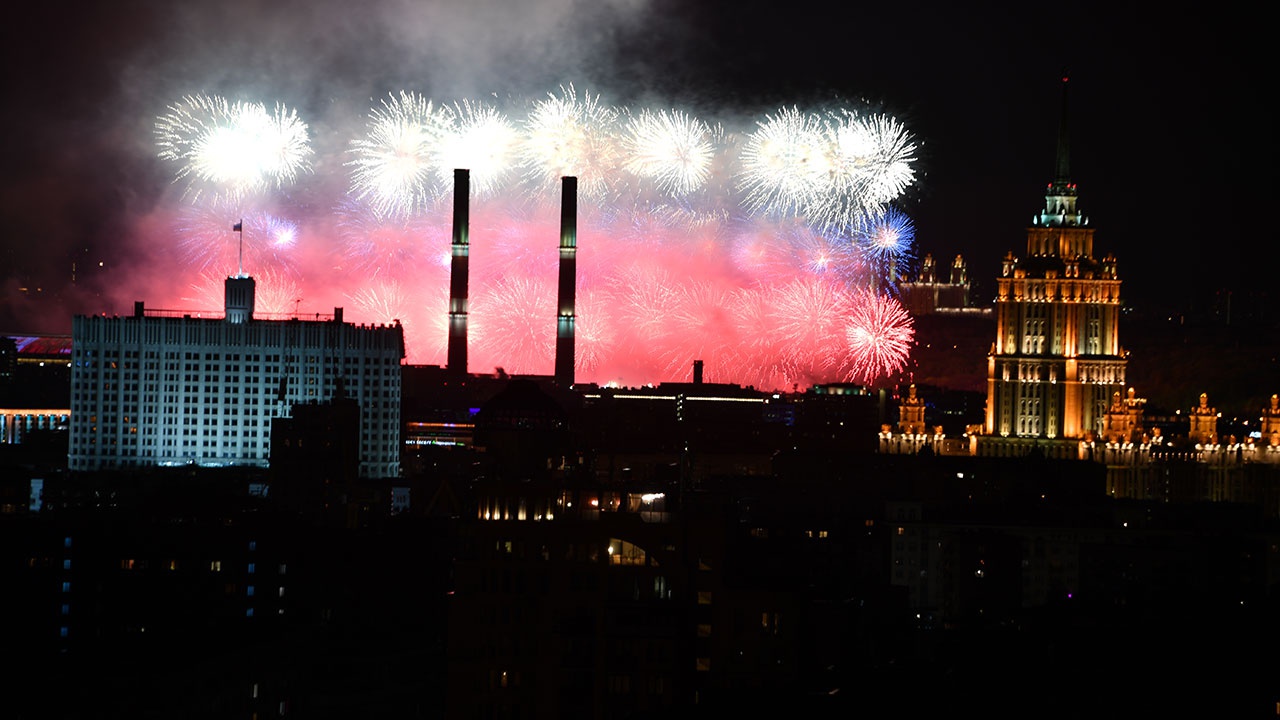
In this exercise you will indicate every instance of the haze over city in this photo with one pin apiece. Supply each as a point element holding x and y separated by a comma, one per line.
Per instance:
<point>1166,142</point>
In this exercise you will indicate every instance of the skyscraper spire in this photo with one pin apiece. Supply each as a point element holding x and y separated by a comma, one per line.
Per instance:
<point>1060,208</point>
<point>1063,175</point>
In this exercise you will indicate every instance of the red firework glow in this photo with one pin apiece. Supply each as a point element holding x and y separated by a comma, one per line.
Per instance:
<point>648,303</point>
<point>880,334</point>
<point>667,273</point>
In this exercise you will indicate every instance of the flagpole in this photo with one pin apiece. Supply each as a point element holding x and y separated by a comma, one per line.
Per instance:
<point>239,227</point>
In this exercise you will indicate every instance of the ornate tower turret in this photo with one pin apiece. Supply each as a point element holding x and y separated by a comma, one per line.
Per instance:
<point>911,413</point>
<point>1203,426</point>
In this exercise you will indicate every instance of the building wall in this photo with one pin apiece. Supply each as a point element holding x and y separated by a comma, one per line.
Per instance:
<point>154,390</point>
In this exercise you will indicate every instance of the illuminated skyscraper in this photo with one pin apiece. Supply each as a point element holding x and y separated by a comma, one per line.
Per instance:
<point>1056,361</point>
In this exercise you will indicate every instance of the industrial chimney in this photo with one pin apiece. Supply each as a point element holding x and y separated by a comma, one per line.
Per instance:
<point>457,361</point>
<point>568,281</point>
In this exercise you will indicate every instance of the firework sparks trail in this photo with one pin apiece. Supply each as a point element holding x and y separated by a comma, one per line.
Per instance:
<point>702,326</point>
<point>230,149</point>
<point>881,334</point>
<point>888,236</point>
<point>396,165</point>
<point>746,250</point>
<point>784,163</point>
<point>275,296</point>
<point>759,348</point>
<point>513,322</point>
<point>402,246</point>
<point>808,317</point>
<point>594,333</point>
<point>644,298</point>
<point>869,166</point>
<point>515,244</point>
<point>671,149</point>
<point>384,301</point>
<point>568,135</point>
<point>207,242</point>
<point>883,151</point>
<point>483,141</point>
<point>887,241</point>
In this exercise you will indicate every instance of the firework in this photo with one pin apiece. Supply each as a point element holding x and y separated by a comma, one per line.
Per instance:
<point>594,332</point>
<point>701,326</point>
<point>382,302</point>
<point>372,243</point>
<point>778,252</point>
<point>888,235</point>
<point>886,240</point>
<point>643,298</point>
<point>760,347</point>
<point>808,316</point>
<point>568,135</point>
<point>207,242</point>
<point>881,153</point>
<point>275,295</point>
<point>784,164</point>
<point>482,141</point>
<point>232,149</point>
<point>516,242</point>
<point>833,169</point>
<point>671,149</point>
<point>396,165</point>
<point>880,334</point>
<point>514,324</point>
<point>770,255</point>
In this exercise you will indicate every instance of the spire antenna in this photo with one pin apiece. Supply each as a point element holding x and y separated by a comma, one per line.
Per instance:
<point>1063,174</point>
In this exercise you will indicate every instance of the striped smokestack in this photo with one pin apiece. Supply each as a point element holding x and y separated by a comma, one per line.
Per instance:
<point>458,275</point>
<point>568,281</point>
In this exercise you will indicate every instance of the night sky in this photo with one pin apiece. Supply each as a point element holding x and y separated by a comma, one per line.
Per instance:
<point>1169,134</point>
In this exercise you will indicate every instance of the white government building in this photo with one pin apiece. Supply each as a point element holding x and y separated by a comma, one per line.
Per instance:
<point>167,388</point>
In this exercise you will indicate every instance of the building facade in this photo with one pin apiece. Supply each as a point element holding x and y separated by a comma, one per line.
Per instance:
<point>166,388</point>
<point>1056,361</point>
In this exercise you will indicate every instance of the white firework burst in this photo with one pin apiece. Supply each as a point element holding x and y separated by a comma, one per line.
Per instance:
<point>568,135</point>
<point>396,165</point>
<point>483,141</point>
<point>870,166</point>
<point>669,148</point>
<point>785,165</point>
<point>232,149</point>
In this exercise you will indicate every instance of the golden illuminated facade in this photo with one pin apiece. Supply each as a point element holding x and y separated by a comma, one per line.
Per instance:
<point>1056,362</point>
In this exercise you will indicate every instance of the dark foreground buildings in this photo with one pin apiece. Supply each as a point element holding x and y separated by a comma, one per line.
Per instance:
<point>687,550</point>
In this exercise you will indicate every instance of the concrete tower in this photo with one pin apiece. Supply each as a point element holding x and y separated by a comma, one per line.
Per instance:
<point>568,281</point>
<point>457,360</point>
<point>1056,362</point>
<point>239,299</point>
